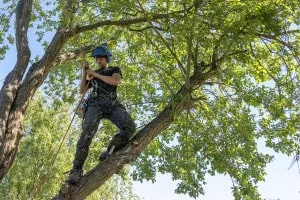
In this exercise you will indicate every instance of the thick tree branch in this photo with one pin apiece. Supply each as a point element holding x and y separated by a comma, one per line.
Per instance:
<point>126,22</point>
<point>275,38</point>
<point>145,28</point>
<point>13,79</point>
<point>39,70</point>
<point>23,14</point>
<point>104,170</point>
<point>71,55</point>
<point>15,96</point>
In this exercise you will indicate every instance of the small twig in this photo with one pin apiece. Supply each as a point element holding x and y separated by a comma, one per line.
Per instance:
<point>177,81</point>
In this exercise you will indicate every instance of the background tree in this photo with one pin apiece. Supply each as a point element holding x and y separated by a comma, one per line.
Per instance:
<point>211,78</point>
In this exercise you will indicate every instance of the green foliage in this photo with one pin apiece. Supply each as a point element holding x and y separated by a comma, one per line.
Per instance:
<point>254,96</point>
<point>6,38</point>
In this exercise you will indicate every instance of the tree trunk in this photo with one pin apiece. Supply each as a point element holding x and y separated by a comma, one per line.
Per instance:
<point>11,116</point>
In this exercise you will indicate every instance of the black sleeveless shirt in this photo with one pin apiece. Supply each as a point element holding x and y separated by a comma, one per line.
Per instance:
<point>100,86</point>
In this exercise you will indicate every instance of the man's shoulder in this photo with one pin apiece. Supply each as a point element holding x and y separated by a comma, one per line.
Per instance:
<point>109,69</point>
<point>114,68</point>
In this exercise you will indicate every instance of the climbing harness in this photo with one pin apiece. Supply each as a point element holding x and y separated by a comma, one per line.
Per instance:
<point>99,92</point>
<point>111,96</point>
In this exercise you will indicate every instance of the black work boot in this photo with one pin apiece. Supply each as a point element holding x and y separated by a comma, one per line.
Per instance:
<point>103,156</point>
<point>107,153</point>
<point>117,142</point>
<point>74,176</point>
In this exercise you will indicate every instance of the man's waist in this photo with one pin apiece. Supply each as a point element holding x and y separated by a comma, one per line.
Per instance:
<point>111,95</point>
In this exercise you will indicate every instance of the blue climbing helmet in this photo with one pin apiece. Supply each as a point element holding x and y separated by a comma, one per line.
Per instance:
<point>102,51</point>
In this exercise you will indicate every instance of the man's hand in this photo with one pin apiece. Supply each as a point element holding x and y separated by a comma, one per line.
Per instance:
<point>84,84</point>
<point>90,74</point>
<point>85,66</point>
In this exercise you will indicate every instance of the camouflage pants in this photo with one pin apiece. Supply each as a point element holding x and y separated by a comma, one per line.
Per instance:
<point>96,110</point>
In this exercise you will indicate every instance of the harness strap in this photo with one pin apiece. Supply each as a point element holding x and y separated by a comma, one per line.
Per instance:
<point>111,95</point>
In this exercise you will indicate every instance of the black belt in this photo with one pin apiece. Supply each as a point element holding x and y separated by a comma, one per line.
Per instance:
<point>112,96</point>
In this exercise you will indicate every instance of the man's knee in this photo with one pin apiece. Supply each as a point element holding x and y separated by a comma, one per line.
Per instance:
<point>131,128</point>
<point>89,126</point>
<point>87,134</point>
<point>84,142</point>
<point>81,146</point>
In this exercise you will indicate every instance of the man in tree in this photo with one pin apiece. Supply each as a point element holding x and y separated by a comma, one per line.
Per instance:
<point>102,103</point>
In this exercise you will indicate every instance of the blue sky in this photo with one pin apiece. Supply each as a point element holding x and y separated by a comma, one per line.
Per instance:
<point>280,182</point>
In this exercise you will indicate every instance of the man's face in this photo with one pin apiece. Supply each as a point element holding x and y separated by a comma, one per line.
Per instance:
<point>101,61</point>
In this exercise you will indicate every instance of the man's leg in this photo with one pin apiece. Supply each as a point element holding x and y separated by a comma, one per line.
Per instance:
<point>120,117</point>
<point>89,128</point>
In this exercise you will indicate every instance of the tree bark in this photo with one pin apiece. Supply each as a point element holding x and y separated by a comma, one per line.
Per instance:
<point>11,132</point>
<point>14,95</point>
<point>104,170</point>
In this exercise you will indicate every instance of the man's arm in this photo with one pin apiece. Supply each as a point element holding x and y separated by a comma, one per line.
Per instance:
<point>115,79</point>
<point>83,83</point>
